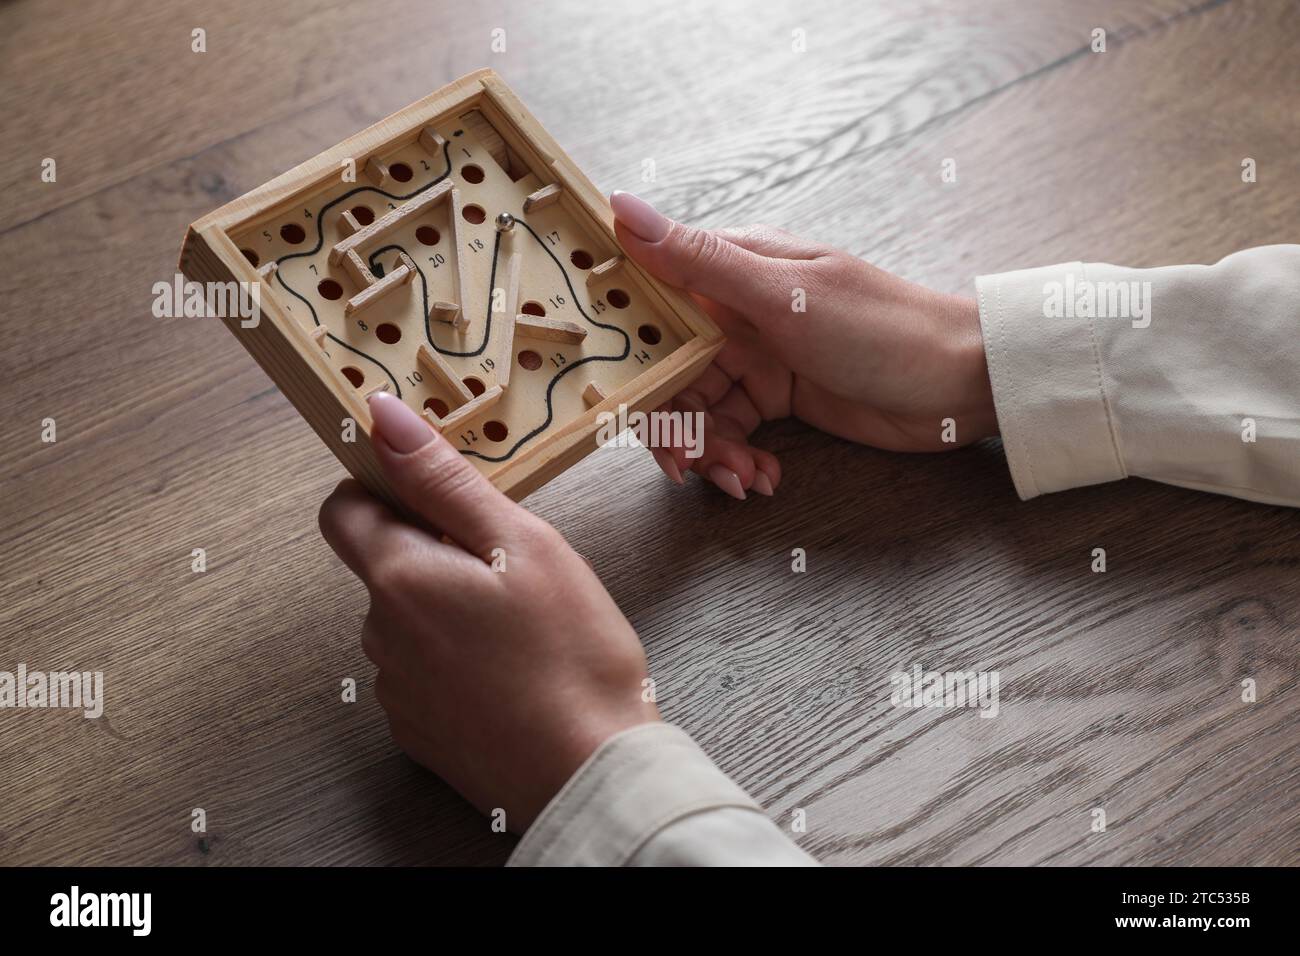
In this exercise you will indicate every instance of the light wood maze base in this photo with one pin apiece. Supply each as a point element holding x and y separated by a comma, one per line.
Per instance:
<point>452,255</point>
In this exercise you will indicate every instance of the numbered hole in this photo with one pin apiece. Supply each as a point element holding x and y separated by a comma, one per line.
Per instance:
<point>618,298</point>
<point>428,235</point>
<point>475,386</point>
<point>363,215</point>
<point>354,375</point>
<point>471,173</point>
<point>401,172</point>
<point>437,406</point>
<point>329,289</point>
<point>581,258</point>
<point>533,308</point>
<point>649,334</point>
<point>388,333</point>
<point>292,233</point>
<point>495,430</point>
<point>251,256</point>
<point>473,213</point>
<point>530,360</point>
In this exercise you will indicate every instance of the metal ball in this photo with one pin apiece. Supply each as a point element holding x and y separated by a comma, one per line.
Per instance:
<point>505,222</point>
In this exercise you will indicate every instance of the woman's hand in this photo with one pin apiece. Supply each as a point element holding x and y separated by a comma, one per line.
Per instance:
<point>871,358</point>
<point>500,681</point>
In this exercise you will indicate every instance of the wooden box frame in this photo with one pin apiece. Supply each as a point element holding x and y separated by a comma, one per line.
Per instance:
<point>285,350</point>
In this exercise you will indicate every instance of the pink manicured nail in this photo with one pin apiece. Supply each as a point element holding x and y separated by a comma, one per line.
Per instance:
<point>727,480</point>
<point>643,219</point>
<point>664,458</point>
<point>762,484</point>
<point>404,430</point>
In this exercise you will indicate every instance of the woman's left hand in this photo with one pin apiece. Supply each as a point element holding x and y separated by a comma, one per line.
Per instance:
<point>500,681</point>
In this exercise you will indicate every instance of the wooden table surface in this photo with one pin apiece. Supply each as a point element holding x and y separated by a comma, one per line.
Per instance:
<point>1119,690</point>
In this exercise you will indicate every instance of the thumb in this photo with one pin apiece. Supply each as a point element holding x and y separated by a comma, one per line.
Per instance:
<point>701,260</point>
<point>434,481</point>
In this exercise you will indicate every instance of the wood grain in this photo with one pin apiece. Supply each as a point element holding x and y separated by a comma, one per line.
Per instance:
<point>1119,690</point>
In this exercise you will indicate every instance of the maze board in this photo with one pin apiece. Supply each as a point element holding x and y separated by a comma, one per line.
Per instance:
<point>453,256</point>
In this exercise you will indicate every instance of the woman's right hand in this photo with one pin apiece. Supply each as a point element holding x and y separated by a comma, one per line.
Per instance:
<point>871,357</point>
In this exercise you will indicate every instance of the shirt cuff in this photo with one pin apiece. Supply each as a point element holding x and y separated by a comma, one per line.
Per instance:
<point>637,783</point>
<point>1056,423</point>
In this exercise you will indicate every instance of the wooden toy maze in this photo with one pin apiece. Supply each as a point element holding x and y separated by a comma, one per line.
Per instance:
<point>453,256</point>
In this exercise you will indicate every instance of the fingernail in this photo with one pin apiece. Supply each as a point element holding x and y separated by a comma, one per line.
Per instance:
<point>762,484</point>
<point>643,219</point>
<point>727,480</point>
<point>692,404</point>
<point>404,430</point>
<point>669,464</point>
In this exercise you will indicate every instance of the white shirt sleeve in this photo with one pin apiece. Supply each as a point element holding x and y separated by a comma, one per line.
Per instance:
<point>1188,375</point>
<point>650,797</point>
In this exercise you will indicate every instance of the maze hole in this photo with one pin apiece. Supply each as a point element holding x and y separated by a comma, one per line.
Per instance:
<point>251,256</point>
<point>495,430</point>
<point>292,233</point>
<point>475,386</point>
<point>581,258</point>
<point>471,173</point>
<point>533,308</point>
<point>437,406</point>
<point>363,214</point>
<point>473,213</point>
<point>649,334</point>
<point>388,333</point>
<point>401,172</point>
<point>353,375</point>
<point>329,289</point>
<point>618,298</point>
<point>428,235</point>
<point>530,360</point>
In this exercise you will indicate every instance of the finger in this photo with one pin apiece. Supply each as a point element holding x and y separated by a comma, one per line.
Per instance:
<point>664,457</point>
<point>730,460</point>
<point>385,551</point>
<point>699,260</point>
<point>725,455</point>
<point>737,407</point>
<point>408,738</point>
<point>375,643</point>
<point>767,471</point>
<point>716,393</point>
<point>410,708</point>
<point>357,526</point>
<point>726,462</point>
<point>696,400</point>
<point>405,703</point>
<point>435,481</point>
<point>711,385</point>
<point>774,242</point>
<point>731,463</point>
<point>668,465</point>
<point>733,325</point>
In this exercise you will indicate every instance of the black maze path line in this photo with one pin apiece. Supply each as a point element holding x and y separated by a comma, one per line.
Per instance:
<point>550,388</point>
<point>487,325</point>
<point>320,240</point>
<point>487,331</point>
